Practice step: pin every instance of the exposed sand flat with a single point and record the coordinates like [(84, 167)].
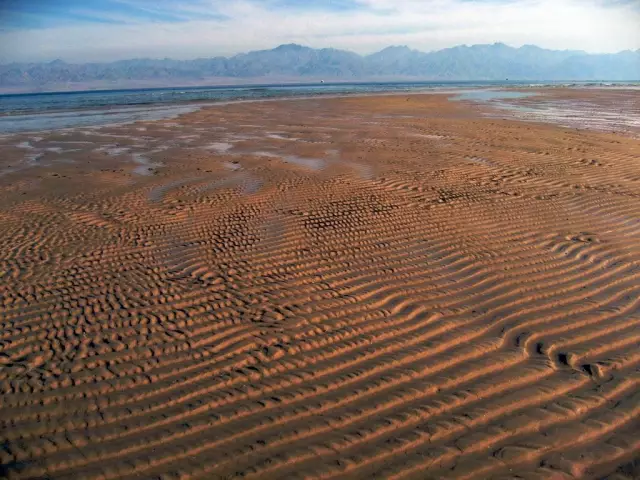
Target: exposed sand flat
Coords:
[(402, 289), (607, 110)]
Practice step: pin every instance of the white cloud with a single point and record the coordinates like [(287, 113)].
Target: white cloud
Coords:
[(592, 25)]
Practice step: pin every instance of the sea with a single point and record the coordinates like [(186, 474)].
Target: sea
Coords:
[(33, 112)]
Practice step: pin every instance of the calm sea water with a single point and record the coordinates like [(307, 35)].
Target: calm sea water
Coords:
[(49, 111)]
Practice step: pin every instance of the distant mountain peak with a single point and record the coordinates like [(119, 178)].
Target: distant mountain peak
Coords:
[(290, 46), (394, 51), (491, 46), (294, 62), (397, 48)]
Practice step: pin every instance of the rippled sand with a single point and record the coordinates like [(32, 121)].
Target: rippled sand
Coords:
[(379, 287)]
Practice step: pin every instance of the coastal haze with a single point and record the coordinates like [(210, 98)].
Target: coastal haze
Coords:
[(295, 63), (323, 272)]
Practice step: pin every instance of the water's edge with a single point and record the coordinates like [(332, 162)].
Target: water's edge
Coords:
[(54, 111)]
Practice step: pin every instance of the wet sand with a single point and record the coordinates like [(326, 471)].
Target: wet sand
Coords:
[(399, 287), (609, 110)]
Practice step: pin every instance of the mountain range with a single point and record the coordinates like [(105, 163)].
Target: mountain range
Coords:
[(296, 63)]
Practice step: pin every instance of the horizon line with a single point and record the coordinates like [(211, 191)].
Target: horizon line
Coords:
[(482, 83)]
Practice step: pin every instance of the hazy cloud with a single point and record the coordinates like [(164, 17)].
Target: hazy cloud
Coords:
[(113, 29)]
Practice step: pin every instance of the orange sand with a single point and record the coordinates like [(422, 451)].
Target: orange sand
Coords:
[(382, 287)]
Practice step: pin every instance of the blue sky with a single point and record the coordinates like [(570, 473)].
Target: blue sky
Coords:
[(103, 30)]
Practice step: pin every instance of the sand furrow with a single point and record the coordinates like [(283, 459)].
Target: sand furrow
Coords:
[(417, 291), (416, 450), (458, 356)]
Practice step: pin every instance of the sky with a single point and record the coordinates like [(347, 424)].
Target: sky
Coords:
[(107, 30)]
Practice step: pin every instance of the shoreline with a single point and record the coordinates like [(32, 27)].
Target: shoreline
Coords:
[(386, 88), (514, 108)]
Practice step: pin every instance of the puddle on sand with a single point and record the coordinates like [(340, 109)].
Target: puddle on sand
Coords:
[(313, 163), (248, 183), (481, 161), (32, 159), (232, 166), (113, 150), (364, 171), (188, 138), (332, 153), (145, 166), (277, 136), (430, 137), (266, 154), (489, 95), (69, 142), (219, 147)]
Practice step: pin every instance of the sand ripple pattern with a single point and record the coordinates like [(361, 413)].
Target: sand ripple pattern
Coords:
[(469, 308)]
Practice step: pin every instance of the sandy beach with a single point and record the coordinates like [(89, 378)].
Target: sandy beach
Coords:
[(392, 287)]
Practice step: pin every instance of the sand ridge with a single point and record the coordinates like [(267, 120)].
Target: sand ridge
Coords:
[(377, 287)]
